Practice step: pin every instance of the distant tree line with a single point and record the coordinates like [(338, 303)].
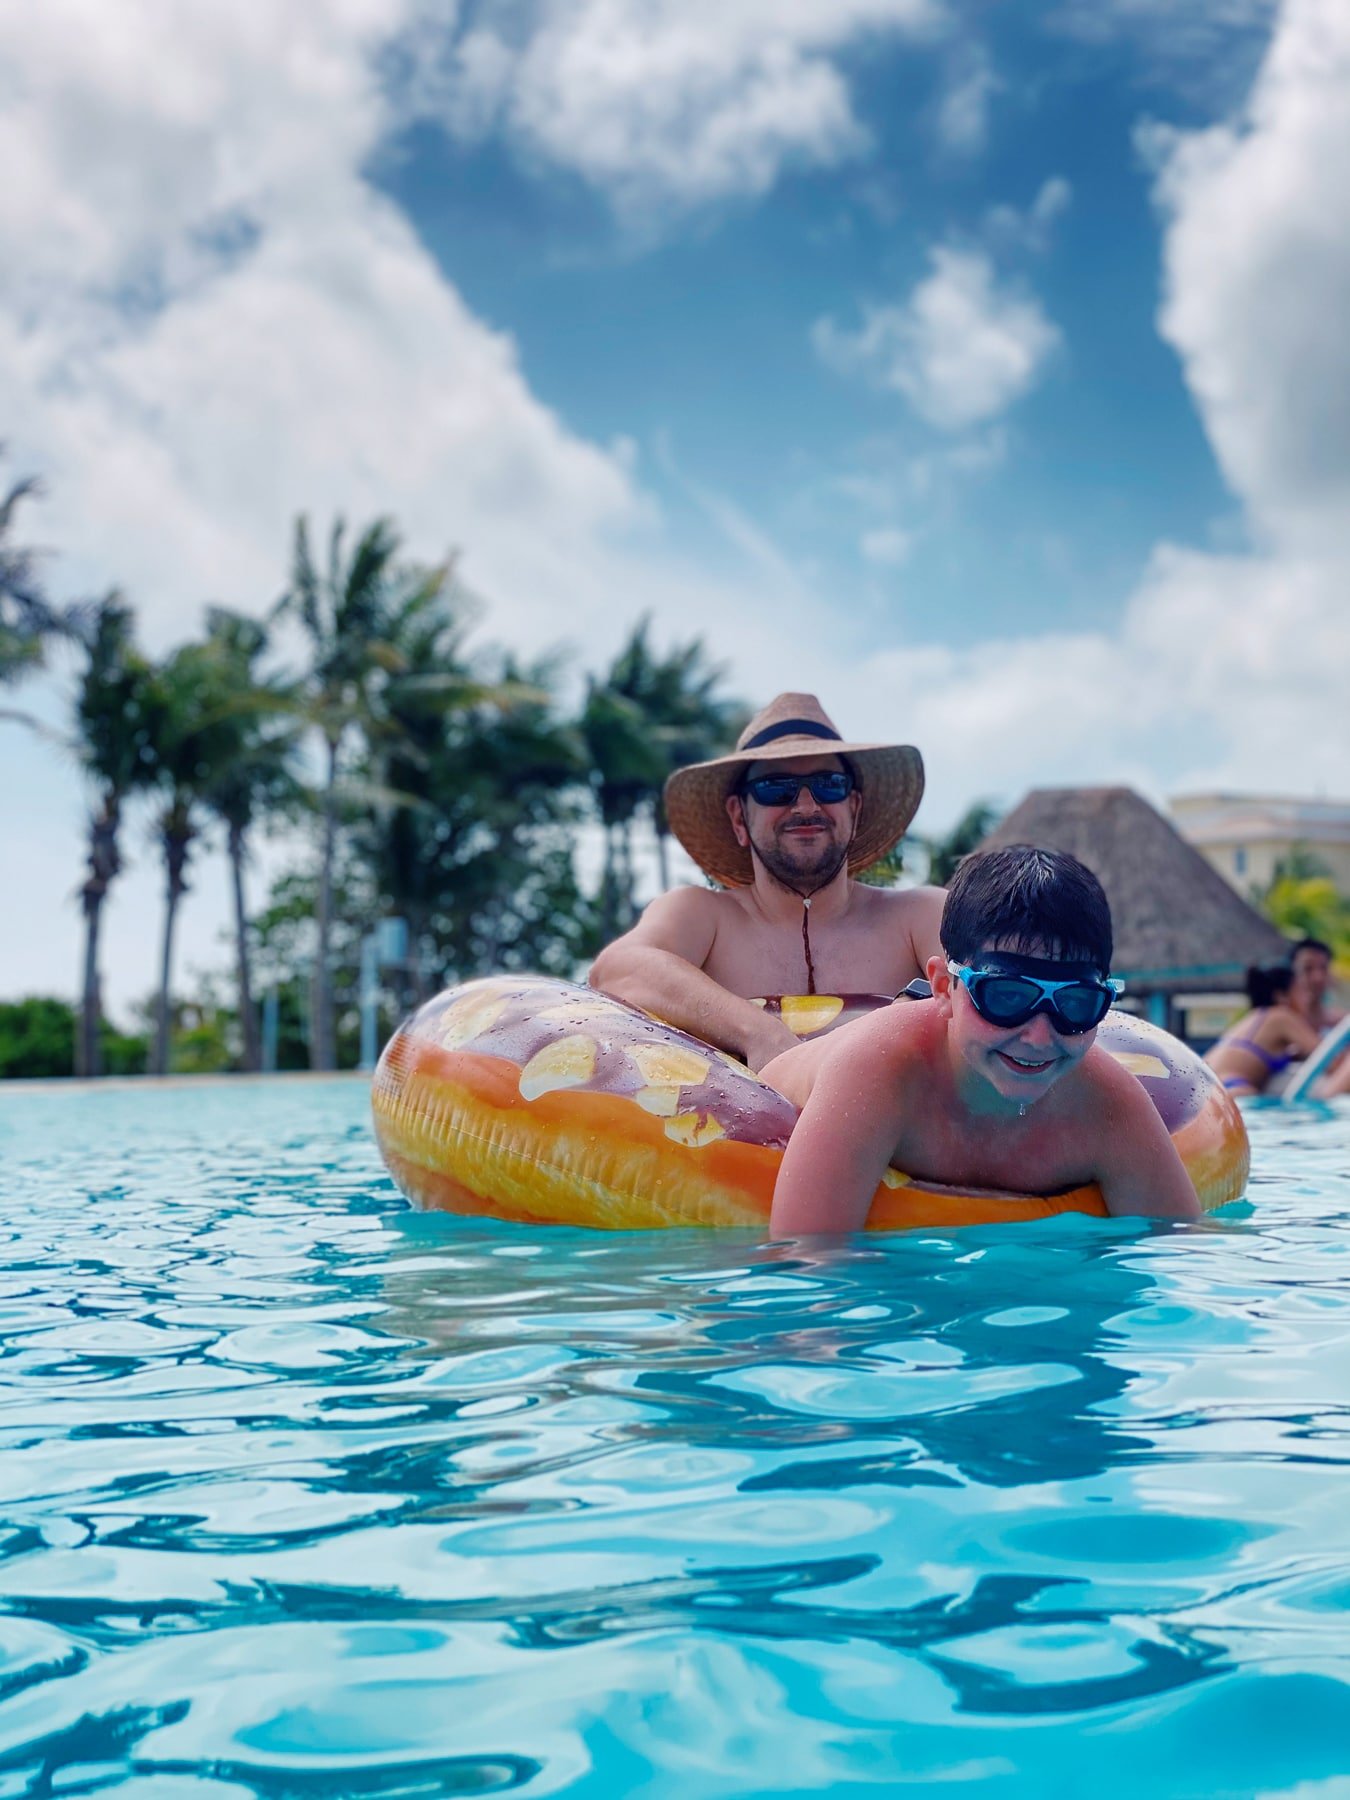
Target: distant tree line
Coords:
[(432, 777), (427, 776)]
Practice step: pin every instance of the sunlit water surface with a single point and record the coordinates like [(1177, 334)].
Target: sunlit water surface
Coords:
[(305, 1493)]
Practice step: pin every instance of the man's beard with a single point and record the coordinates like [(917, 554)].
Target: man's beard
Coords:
[(798, 877)]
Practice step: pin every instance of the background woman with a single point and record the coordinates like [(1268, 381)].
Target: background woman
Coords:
[(1263, 1042)]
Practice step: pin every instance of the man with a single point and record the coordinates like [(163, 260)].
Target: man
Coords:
[(1310, 960), (784, 823)]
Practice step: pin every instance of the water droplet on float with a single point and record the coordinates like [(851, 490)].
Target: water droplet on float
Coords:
[(1021, 1109)]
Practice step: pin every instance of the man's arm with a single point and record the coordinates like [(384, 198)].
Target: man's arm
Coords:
[(840, 1145), (1139, 1171), (658, 965)]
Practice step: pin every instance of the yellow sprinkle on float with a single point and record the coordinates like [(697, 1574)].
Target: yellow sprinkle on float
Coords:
[(663, 1102), (669, 1065), (805, 1014), (565, 1064), (694, 1129), (468, 1018), (1150, 1068)]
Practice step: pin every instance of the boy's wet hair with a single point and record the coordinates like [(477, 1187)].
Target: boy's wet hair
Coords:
[(1028, 901)]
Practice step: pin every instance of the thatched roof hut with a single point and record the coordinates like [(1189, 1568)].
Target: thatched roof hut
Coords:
[(1179, 927)]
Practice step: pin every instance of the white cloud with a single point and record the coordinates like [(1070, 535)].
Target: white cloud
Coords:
[(1203, 30), (1258, 282), (1031, 230), (1226, 669), (963, 116), (661, 103), (887, 546), (961, 349), (186, 389)]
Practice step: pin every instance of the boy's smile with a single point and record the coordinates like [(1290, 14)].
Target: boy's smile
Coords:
[(1033, 1055)]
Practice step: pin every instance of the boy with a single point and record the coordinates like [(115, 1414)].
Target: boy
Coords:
[(995, 1082)]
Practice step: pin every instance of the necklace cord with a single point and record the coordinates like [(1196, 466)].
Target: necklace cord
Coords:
[(806, 944)]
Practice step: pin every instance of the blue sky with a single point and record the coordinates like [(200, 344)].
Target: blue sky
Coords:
[(697, 342), (977, 365)]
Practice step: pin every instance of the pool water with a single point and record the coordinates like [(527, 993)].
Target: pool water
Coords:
[(305, 1493)]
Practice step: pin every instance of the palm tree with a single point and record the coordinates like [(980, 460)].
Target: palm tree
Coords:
[(255, 776), (450, 740), (28, 620), (969, 831), (648, 716), (344, 612), (198, 723), (627, 768), (692, 722), (114, 740)]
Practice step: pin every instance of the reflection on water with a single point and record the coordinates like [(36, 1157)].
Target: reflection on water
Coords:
[(307, 1494)]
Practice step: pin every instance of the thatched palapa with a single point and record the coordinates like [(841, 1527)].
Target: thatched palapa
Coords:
[(1179, 927)]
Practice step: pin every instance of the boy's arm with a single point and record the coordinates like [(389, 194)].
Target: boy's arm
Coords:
[(1139, 1170), (840, 1145), (658, 966)]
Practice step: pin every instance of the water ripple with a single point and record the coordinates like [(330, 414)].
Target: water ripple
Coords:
[(303, 1493)]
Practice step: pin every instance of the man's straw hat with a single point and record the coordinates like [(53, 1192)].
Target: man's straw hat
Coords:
[(889, 775)]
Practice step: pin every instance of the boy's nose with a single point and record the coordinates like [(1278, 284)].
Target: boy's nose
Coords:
[(1038, 1029)]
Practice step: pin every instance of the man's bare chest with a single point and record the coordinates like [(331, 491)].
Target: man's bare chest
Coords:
[(752, 956)]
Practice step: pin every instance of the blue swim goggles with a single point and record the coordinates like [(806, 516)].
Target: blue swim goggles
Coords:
[(1007, 999)]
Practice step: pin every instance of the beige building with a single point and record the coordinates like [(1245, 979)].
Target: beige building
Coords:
[(1245, 836)]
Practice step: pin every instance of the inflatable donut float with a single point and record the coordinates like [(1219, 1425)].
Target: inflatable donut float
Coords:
[(531, 1099)]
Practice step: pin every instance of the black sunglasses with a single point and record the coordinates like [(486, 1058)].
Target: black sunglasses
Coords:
[(828, 787), (1007, 1000)]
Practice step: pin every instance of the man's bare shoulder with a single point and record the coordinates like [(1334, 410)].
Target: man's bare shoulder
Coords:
[(688, 904), (919, 901), (684, 920)]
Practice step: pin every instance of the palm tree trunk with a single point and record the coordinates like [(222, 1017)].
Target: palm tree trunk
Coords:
[(177, 838), (322, 1030), (414, 984), (608, 895), (104, 863), (662, 852), (248, 1017), (88, 1060), (160, 1065), (627, 908)]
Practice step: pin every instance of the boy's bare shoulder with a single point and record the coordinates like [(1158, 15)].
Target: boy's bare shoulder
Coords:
[(891, 1034), (1115, 1095)]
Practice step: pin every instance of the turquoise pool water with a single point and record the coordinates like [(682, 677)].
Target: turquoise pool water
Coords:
[(307, 1494)]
